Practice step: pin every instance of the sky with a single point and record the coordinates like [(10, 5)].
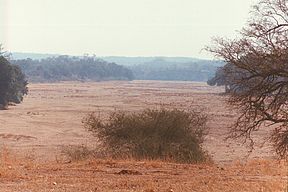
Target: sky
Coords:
[(119, 27)]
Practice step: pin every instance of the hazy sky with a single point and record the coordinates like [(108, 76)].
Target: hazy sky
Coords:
[(119, 27)]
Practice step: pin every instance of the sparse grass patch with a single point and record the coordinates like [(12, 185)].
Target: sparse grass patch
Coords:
[(166, 134), (9, 166), (78, 152)]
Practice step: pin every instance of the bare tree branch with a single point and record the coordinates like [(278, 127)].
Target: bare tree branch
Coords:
[(256, 73)]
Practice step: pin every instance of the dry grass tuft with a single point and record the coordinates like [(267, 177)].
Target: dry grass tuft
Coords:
[(78, 152)]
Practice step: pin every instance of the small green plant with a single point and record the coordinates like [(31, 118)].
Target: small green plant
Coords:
[(167, 134)]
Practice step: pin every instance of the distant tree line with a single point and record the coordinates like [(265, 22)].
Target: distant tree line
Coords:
[(143, 68), (160, 69), (64, 68)]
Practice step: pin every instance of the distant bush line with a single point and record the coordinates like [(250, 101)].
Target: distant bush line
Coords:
[(160, 69), (66, 68), (42, 68)]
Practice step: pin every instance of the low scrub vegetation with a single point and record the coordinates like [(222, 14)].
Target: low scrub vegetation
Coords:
[(166, 134), (78, 152)]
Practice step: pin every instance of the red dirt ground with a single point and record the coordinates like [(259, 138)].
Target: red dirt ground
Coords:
[(33, 134)]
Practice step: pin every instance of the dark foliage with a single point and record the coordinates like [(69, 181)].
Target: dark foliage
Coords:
[(13, 85), (229, 76), (219, 79)]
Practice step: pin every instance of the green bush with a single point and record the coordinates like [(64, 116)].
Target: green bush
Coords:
[(167, 134), (13, 85)]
